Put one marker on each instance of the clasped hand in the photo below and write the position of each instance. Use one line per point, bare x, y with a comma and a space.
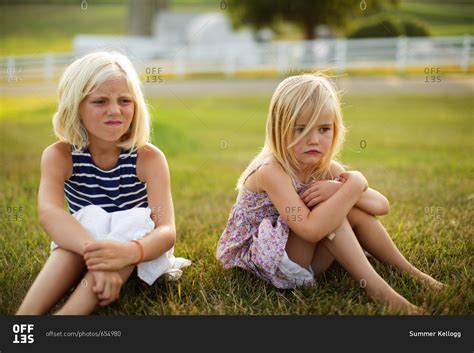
107, 285
320, 191
104, 259
107, 255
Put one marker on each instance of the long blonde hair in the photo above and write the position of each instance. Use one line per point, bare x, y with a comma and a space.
80, 79
292, 96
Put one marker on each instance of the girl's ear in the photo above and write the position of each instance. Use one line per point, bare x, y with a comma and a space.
84, 134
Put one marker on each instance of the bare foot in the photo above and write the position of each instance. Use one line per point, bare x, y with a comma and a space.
410, 309
431, 282
418, 310
427, 279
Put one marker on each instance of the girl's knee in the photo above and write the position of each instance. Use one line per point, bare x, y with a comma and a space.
356, 215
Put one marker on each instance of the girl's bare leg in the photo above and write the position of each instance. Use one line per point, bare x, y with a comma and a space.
374, 238
348, 252
322, 259
299, 250
59, 273
83, 300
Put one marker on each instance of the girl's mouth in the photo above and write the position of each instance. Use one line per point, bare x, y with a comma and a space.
113, 122
312, 152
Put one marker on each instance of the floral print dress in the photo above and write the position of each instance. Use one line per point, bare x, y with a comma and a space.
255, 237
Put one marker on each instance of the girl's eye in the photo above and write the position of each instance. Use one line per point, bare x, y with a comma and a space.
126, 101
299, 130
98, 102
324, 129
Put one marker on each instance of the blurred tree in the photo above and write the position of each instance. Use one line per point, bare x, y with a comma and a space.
415, 28
141, 14
390, 27
378, 28
306, 14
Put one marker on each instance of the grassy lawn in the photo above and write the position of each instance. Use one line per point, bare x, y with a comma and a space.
418, 152
443, 18
51, 27
36, 29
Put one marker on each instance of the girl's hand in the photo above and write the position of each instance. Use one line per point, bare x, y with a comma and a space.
358, 176
107, 285
110, 255
320, 191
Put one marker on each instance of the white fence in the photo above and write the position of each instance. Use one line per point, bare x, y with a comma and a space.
280, 57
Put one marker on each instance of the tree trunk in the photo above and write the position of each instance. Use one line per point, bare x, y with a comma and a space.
309, 31
141, 14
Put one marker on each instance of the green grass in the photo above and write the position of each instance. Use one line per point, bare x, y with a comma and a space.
36, 29
443, 18
419, 154
46, 27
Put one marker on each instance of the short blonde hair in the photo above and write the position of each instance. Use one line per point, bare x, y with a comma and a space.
294, 95
80, 79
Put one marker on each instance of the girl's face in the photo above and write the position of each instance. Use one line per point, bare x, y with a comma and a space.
317, 142
107, 111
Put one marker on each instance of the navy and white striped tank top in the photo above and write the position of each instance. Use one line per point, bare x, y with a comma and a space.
114, 190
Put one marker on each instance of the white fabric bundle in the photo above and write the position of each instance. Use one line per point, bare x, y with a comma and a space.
125, 226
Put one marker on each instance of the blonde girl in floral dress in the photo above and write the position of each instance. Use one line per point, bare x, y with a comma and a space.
298, 210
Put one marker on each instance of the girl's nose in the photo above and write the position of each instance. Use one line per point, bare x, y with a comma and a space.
114, 109
313, 137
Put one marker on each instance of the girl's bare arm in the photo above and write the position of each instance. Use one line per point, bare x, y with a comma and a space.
322, 220
61, 227
371, 201
157, 177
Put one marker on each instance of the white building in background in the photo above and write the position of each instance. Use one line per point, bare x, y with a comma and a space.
200, 36
197, 36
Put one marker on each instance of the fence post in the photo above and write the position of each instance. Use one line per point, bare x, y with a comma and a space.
282, 58
402, 50
230, 61
341, 55
48, 66
180, 62
10, 68
466, 53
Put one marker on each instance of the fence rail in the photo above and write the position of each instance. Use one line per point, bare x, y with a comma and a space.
230, 59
